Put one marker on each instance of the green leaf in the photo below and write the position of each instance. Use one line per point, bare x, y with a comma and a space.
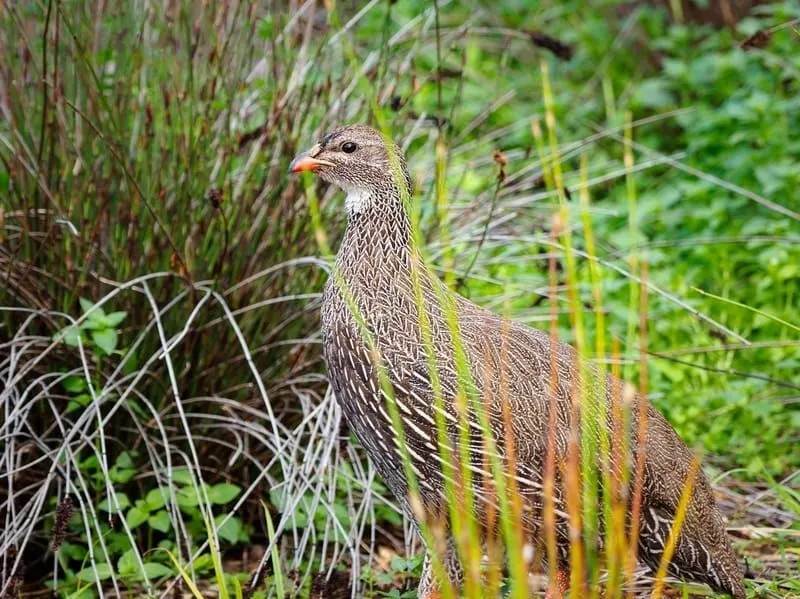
182, 476
125, 459
136, 516
300, 517
113, 319
230, 530
79, 401
73, 551
105, 339
186, 497
121, 475
156, 570
159, 521
89, 575
69, 335
277, 498
117, 541
93, 324
223, 493
203, 563
86, 305
127, 566
156, 498
92, 312
98, 320
74, 384
90, 463
84, 399
122, 500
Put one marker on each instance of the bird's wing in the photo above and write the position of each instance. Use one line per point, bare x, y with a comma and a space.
534, 374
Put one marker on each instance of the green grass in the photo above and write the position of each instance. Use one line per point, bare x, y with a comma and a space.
140, 141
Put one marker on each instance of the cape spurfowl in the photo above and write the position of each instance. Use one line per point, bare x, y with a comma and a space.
377, 336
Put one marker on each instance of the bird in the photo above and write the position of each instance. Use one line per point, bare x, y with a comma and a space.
393, 332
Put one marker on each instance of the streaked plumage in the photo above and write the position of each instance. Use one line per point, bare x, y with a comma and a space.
508, 362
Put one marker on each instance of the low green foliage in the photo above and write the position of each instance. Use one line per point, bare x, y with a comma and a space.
98, 330
399, 578
146, 517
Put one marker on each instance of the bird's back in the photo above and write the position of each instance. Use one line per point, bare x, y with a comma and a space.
532, 372
513, 368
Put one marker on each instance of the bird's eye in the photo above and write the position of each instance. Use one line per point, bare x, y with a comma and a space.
349, 147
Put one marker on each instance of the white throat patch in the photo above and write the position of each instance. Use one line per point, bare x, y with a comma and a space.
356, 200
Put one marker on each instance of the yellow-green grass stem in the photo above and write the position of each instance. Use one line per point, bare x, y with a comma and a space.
579, 475
277, 570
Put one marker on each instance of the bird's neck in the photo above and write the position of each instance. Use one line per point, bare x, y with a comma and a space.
378, 241
380, 266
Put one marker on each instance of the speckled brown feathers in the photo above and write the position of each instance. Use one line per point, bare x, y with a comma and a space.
509, 363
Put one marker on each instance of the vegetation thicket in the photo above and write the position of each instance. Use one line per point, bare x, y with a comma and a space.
166, 418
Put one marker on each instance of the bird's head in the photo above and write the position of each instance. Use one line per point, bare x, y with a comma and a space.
359, 160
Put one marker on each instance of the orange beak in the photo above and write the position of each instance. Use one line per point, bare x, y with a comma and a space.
306, 161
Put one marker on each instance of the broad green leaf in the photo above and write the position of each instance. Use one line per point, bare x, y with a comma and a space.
121, 475
203, 563
114, 318
86, 305
181, 475
84, 399
136, 516
117, 541
156, 498
122, 500
93, 324
187, 497
654, 93
230, 530
125, 459
91, 310
159, 521
223, 493
300, 517
156, 570
127, 566
105, 339
73, 551
74, 384
277, 498
69, 335
89, 575
90, 463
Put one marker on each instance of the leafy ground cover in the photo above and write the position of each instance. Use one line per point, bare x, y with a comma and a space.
176, 429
